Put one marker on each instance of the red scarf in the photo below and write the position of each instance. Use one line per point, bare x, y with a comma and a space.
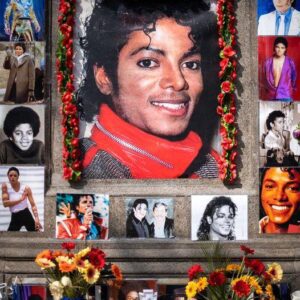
146, 155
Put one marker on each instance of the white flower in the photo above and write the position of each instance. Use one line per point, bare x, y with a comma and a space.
66, 281
56, 289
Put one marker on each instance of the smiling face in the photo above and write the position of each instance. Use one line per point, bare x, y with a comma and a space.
221, 223
282, 5
280, 50
19, 50
280, 195
159, 79
160, 212
22, 136
85, 202
140, 211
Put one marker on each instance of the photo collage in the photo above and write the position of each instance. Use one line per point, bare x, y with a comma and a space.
22, 114
279, 115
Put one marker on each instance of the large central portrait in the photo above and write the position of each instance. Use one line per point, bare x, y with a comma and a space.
146, 89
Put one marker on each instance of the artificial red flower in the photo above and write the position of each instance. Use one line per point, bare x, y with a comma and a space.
194, 271
70, 109
226, 86
241, 288
75, 130
216, 278
228, 51
67, 173
76, 165
75, 142
220, 98
233, 155
246, 249
227, 143
67, 97
220, 110
68, 246
229, 118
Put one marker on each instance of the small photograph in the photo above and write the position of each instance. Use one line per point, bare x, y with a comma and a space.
216, 217
279, 131
150, 217
22, 68
134, 290
22, 20
82, 216
22, 205
279, 200
279, 65
277, 17
22, 134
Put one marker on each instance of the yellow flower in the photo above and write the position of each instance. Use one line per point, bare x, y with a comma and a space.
191, 289
255, 285
91, 274
202, 284
233, 267
269, 292
66, 264
44, 263
83, 252
275, 271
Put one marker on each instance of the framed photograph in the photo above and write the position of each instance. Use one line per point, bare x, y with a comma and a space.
279, 66
22, 206
278, 17
150, 217
130, 124
219, 217
279, 133
279, 200
22, 20
22, 69
82, 216
22, 134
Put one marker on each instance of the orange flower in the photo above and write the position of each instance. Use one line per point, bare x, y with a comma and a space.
116, 272
45, 254
57, 253
66, 267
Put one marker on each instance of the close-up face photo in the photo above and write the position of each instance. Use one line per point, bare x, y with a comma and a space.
280, 50
85, 202
159, 83
140, 211
23, 136
222, 221
280, 194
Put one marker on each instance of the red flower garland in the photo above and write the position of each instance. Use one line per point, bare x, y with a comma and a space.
226, 108
65, 77
226, 100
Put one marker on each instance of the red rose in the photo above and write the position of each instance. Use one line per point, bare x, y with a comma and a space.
220, 98
76, 166
70, 109
229, 118
67, 173
233, 110
247, 250
217, 278
76, 130
75, 142
228, 51
232, 158
220, 110
68, 246
75, 153
74, 122
227, 144
194, 271
67, 97
226, 86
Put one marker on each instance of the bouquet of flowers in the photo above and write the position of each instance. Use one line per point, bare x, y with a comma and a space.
72, 274
247, 280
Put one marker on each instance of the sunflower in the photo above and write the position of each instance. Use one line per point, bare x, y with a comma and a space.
233, 267
201, 284
191, 289
275, 271
66, 264
83, 252
91, 274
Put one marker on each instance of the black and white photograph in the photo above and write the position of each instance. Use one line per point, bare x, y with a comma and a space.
82, 216
279, 127
22, 68
22, 134
22, 203
219, 217
150, 217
